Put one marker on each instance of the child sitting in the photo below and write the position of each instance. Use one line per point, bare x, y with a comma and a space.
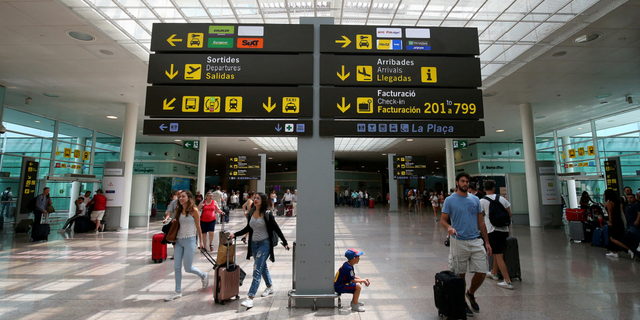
347, 282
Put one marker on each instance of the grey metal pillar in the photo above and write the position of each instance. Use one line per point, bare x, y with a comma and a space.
202, 165
451, 165
262, 183
530, 158
314, 260
393, 185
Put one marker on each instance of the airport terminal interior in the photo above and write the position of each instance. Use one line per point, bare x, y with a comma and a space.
539, 97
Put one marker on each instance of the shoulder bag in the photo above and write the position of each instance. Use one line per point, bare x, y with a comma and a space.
172, 235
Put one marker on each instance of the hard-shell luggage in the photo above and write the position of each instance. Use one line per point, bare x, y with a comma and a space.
576, 231
40, 232
208, 256
357, 203
83, 224
280, 209
158, 248
24, 226
597, 240
605, 235
227, 280
448, 293
512, 258
289, 210
372, 203
576, 214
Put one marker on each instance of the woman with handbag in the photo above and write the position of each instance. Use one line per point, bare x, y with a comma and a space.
261, 225
184, 231
208, 219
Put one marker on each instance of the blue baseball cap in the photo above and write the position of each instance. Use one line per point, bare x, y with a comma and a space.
352, 253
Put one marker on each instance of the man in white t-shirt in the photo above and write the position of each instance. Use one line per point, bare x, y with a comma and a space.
81, 209
287, 197
218, 197
497, 236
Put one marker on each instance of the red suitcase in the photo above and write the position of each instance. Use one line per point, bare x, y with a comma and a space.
576, 215
227, 280
158, 250
372, 203
289, 210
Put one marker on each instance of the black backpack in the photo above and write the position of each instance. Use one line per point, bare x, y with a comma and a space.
498, 214
31, 205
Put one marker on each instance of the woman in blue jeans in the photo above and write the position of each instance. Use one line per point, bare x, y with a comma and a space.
260, 225
188, 217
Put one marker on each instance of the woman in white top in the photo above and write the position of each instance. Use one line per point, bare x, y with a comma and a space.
188, 217
274, 197
435, 203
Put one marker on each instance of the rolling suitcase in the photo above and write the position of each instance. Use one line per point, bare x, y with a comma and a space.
597, 239
280, 209
40, 232
576, 231
448, 293
24, 226
289, 210
372, 203
158, 248
227, 280
82, 224
512, 258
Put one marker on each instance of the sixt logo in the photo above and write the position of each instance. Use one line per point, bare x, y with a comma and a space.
252, 43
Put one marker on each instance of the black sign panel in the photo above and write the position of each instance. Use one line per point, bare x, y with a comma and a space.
400, 71
230, 68
613, 174
255, 174
255, 159
229, 128
243, 165
28, 177
207, 37
400, 40
403, 128
229, 102
405, 103
410, 166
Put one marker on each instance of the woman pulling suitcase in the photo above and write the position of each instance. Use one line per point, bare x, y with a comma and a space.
261, 225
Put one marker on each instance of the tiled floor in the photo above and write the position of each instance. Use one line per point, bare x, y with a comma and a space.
111, 276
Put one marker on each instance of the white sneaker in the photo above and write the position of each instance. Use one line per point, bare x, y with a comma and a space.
205, 280
247, 303
505, 285
97, 232
632, 255
62, 230
173, 296
612, 255
267, 291
492, 277
357, 307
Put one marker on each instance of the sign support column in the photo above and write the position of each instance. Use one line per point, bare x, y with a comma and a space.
314, 261
529, 148
393, 185
202, 165
127, 155
451, 165
262, 183
571, 184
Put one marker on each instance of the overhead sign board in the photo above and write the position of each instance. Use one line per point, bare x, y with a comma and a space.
202, 37
401, 40
244, 173
230, 68
403, 128
256, 159
400, 71
401, 103
229, 128
191, 144
229, 102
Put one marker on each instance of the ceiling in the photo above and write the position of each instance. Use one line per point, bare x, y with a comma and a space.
518, 39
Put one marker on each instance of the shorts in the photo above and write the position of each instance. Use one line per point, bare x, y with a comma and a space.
470, 254
97, 215
351, 288
209, 226
273, 200
498, 240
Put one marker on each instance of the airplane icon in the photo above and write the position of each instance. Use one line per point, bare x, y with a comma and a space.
192, 69
364, 72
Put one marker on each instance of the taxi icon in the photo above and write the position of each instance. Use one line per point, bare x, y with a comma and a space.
290, 107
195, 41
364, 42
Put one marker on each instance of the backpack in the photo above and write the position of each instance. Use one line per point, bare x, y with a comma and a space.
498, 214
5, 196
31, 205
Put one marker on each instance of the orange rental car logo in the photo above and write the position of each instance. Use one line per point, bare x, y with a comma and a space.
251, 43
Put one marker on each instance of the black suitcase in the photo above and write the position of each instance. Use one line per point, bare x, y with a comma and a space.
448, 293
24, 226
40, 232
82, 224
280, 209
512, 258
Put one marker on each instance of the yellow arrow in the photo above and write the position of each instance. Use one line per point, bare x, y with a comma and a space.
563, 155
346, 41
342, 107
343, 76
168, 106
58, 151
269, 107
172, 40
171, 74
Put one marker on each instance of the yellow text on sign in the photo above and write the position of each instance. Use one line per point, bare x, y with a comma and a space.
364, 73
192, 71
190, 103
77, 153
67, 153
429, 74
363, 42
290, 105
365, 104
233, 104
591, 151
85, 155
195, 40
581, 152
211, 104
572, 153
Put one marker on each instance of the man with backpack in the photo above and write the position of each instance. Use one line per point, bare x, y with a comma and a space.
6, 198
497, 217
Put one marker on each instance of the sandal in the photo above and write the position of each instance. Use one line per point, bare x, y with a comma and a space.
244, 240
211, 248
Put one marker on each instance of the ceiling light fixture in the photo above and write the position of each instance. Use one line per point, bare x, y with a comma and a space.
409, 140
51, 95
500, 130
602, 96
384, 154
588, 37
112, 117
559, 54
270, 158
436, 161
177, 140
580, 128
489, 94
106, 52
255, 148
218, 154
80, 35
541, 117
37, 121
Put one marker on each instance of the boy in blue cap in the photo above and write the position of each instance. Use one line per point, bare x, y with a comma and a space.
347, 282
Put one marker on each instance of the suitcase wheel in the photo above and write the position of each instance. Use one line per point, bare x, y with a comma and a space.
237, 297
154, 260
223, 302
160, 260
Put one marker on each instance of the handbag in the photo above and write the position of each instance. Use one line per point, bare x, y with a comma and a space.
45, 218
50, 209
172, 235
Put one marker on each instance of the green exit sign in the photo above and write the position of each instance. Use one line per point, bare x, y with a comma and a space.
191, 144
457, 144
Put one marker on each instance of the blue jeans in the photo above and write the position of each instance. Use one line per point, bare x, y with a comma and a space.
184, 250
6, 206
260, 251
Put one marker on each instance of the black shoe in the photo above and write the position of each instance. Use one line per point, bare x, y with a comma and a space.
468, 310
472, 300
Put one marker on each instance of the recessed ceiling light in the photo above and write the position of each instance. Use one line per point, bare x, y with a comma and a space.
433, 172
579, 128
602, 96
37, 121
611, 121
218, 154
216, 170
500, 130
255, 148
409, 140
588, 37
559, 54
436, 161
489, 94
545, 140
112, 117
80, 35
106, 52
384, 154
279, 164
437, 168
363, 166
51, 95
270, 158
541, 117
177, 140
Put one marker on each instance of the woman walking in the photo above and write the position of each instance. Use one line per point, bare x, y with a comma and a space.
616, 224
188, 220
208, 219
274, 198
435, 203
260, 225
246, 207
